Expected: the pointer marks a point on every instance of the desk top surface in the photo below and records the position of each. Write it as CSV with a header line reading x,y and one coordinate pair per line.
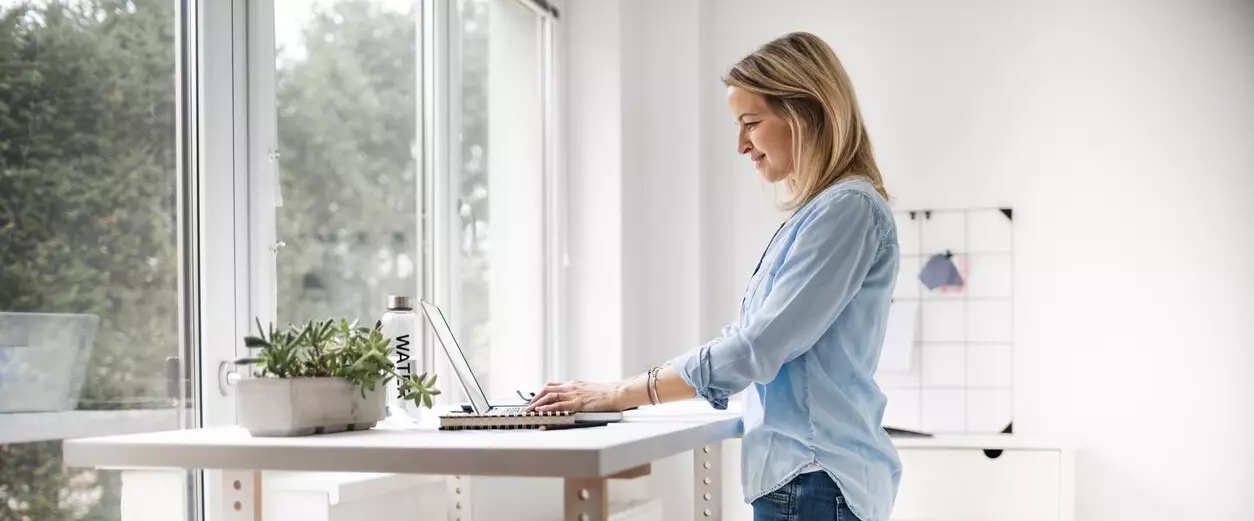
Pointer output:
x,y
643,436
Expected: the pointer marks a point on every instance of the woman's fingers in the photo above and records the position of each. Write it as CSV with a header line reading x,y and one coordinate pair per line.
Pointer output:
x,y
562,401
557,406
555,396
545,397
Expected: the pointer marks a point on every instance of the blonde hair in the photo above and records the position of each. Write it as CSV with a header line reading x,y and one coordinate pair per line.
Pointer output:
x,y
803,81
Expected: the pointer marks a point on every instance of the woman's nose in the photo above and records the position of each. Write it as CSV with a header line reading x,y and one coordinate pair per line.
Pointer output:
x,y
742,143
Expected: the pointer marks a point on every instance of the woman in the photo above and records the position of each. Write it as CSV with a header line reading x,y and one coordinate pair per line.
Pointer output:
x,y
812,321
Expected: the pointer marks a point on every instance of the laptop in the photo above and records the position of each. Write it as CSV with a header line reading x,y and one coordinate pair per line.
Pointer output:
x,y
478,399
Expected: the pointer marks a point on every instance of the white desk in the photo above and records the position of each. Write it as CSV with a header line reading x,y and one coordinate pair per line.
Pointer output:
x,y
586,458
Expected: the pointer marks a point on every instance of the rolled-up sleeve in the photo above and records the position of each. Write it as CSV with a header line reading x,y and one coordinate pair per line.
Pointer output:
x,y
825,265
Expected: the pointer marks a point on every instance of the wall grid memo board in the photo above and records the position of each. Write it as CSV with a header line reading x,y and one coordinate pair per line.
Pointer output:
x,y
952,347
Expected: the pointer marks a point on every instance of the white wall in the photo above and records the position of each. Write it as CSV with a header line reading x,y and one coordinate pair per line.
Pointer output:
x,y
1123,136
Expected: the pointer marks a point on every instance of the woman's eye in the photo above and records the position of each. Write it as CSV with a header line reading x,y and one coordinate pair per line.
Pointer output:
x,y
751,124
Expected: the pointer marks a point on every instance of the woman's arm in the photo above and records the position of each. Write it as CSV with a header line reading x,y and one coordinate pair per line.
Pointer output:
x,y
591,396
669,387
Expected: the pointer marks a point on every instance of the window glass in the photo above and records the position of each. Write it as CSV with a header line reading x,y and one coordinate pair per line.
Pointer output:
x,y
498,268
348,131
350,172
88,243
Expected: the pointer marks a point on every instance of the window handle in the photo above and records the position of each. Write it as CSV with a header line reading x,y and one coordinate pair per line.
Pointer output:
x,y
228,374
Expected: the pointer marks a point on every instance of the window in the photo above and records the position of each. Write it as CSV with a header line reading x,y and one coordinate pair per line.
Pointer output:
x,y
361,108
89,243
346,203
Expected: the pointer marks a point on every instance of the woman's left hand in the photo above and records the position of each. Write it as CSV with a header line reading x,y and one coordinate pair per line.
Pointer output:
x,y
576,395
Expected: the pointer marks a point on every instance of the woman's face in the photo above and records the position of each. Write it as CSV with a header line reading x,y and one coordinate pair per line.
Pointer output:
x,y
764,135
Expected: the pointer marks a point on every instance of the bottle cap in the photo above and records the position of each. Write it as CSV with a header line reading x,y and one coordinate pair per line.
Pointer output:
x,y
400,302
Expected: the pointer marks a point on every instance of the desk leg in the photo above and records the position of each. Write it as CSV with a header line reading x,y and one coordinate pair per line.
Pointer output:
x,y
458,504
707,482
241,495
586,500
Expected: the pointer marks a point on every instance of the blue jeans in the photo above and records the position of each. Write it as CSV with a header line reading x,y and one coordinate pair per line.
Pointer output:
x,y
810,496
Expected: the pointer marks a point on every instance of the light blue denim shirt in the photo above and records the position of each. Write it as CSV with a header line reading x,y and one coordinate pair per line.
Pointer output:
x,y
806,345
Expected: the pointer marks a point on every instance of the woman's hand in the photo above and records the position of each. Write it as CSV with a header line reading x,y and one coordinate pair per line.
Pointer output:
x,y
577,395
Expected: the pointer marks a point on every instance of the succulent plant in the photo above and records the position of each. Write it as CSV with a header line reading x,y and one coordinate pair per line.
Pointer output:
x,y
330,348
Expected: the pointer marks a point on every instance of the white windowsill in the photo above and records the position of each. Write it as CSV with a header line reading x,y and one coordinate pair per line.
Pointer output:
x,y
43,426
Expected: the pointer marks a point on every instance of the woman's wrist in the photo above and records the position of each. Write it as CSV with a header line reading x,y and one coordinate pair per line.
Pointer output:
x,y
632,392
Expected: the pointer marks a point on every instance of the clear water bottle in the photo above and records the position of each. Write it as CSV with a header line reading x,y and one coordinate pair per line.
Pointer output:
x,y
400,326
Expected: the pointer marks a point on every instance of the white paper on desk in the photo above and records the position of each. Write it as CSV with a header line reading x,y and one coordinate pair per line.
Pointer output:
x,y
898,352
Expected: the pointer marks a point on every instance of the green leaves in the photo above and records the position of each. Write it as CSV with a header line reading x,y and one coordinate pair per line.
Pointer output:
x,y
327,348
280,351
418,389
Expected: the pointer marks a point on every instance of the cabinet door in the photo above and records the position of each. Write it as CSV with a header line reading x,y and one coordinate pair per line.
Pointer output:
x,y
965,485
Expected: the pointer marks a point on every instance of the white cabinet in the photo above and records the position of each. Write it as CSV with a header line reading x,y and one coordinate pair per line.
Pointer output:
x,y
951,479
964,485
948,478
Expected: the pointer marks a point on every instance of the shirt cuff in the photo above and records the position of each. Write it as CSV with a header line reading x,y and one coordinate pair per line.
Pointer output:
x,y
694,368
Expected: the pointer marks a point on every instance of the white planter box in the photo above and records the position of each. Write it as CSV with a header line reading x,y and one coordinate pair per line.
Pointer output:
x,y
304,406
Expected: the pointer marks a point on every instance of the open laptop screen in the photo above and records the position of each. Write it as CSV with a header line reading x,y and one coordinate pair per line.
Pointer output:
x,y
478,400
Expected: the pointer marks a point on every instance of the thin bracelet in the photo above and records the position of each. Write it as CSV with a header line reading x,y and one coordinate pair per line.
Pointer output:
x,y
649,387
653,388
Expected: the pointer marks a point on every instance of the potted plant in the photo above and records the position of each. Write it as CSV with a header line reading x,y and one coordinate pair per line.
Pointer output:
x,y
324,376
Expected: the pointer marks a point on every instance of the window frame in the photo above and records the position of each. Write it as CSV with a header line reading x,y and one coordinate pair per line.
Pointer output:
x,y
223,213
438,91
556,247
224,220
187,64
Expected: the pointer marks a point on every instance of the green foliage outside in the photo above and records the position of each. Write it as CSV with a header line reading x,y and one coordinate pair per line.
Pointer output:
x,y
349,172
87,205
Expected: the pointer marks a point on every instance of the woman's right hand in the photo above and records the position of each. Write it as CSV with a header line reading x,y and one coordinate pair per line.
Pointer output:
x,y
577,395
